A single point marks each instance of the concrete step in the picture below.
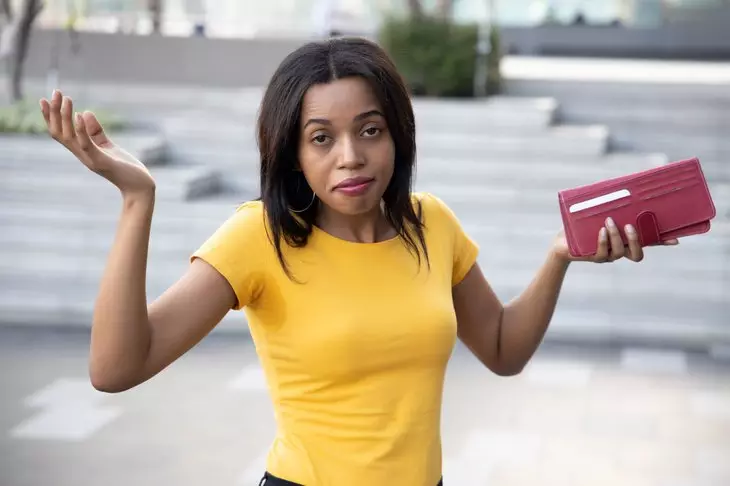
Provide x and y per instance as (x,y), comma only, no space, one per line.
(171,216)
(151,148)
(693,118)
(516,170)
(706,274)
(165,97)
(597,294)
(575,141)
(173,183)
(572,322)
(503,245)
(683,119)
(499,114)
(571,141)
(517,165)
(691,94)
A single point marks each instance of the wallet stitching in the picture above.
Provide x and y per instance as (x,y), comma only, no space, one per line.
(692,167)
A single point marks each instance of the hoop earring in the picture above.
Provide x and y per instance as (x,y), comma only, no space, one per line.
(314,196)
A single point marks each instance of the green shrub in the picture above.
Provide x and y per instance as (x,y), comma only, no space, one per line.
(438,57)
(26,118)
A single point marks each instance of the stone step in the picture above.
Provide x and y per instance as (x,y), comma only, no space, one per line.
(152,148)
(693,119)
(572,322)
(576,141)
(245,102)
(242,171)
(707,278)
(517,166)
(175,217)
(83,186)
(508,246)
(494,115)
(174,225)
(72,297)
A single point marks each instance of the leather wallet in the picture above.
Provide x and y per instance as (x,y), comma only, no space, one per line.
(670,201)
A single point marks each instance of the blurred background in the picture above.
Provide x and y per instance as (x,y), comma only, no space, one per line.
(515,100)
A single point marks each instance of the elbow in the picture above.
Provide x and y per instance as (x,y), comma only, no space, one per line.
(107,382)
(107,386)
(508,372)
(508,369)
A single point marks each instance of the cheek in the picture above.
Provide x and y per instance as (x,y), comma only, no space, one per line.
(386,158)
(314,168)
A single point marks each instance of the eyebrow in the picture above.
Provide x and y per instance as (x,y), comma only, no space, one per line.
(361,116)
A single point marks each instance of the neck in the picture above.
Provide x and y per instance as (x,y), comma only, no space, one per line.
(370,227)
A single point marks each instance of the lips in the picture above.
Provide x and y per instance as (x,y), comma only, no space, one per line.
(353,182)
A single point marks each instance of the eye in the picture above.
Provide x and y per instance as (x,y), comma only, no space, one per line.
(371,131)
(320,139)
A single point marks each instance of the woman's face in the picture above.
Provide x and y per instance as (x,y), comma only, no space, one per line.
(345,151)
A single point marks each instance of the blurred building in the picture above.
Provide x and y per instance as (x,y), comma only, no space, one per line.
(292,18)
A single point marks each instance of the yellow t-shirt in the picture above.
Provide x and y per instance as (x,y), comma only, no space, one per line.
(354,351)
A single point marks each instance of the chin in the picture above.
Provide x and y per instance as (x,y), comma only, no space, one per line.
(354,205)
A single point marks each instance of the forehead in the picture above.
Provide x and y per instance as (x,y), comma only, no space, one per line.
(342,98)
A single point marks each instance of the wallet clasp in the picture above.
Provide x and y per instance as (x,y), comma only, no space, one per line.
(648,228)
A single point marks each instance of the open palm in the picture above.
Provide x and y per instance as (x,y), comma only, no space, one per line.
(83,135)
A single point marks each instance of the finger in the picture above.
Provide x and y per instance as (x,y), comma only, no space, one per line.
(95,130)
(90,152)
(672,242)
(45,110)
(54,116)
(67,126)
(82,135)
(602,249)
(614,237)
(635,251)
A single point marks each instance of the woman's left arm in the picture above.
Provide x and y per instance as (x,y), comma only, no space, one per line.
(505,337)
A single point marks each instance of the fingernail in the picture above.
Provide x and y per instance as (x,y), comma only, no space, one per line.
(630,229)
(604,233)
(609,221)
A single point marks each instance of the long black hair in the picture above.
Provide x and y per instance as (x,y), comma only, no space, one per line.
(283,187)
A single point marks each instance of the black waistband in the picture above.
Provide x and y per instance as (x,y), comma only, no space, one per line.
(269,480)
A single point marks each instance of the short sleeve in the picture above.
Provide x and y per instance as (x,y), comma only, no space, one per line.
(465,249)
(237,251)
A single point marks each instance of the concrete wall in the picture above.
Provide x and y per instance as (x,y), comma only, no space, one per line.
(250,62)
(709,41)
(151,59)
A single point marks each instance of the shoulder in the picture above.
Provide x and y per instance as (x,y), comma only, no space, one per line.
(248,219)
(433,209)
(243,229)
(238,251)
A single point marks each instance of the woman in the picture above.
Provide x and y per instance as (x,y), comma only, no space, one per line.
(355,288)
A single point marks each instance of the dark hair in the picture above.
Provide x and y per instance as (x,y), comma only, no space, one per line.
(283,187)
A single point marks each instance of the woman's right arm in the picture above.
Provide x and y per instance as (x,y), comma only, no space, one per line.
(131,342)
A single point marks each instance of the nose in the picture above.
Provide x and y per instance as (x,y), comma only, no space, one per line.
(350,157)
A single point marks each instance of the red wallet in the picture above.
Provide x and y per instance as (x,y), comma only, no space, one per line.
(662,203)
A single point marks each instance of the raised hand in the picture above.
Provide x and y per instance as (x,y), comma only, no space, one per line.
(83,135)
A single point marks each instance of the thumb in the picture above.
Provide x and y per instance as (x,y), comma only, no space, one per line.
(95,130)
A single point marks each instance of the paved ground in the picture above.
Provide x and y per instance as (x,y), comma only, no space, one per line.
(576,416)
